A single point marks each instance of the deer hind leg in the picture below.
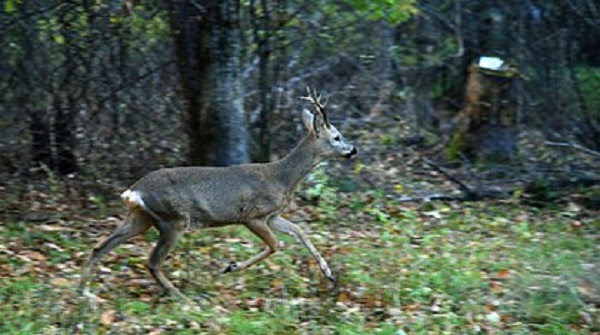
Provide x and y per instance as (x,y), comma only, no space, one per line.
(135,224)
(169,233)
(262,230)
(282,225)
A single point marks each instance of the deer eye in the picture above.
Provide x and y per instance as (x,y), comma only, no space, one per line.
(337,138)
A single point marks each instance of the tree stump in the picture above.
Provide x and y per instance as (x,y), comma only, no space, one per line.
(487,129)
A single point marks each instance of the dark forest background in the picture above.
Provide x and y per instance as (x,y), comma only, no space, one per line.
(472,207)
(115,89)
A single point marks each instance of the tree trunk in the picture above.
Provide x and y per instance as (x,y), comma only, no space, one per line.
(64,136)
(226,103)
(41,148)
(189,32)
(262,37)
(72,88)
(207,48)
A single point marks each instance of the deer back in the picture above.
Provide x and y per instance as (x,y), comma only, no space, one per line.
(208,196)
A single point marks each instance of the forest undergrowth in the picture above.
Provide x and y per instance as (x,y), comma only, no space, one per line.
(403,268)
(418,267)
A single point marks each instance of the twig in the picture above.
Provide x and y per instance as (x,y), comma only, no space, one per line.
(473,196)
(574,146)
(432,197)
(136,80)
(466,189)
(28,15)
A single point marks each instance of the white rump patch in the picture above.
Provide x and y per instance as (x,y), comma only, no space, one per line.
(134,197)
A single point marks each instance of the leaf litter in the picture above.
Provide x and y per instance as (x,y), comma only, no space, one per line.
(401,265)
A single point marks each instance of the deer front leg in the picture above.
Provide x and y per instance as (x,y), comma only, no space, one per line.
(282,225)
(262,230)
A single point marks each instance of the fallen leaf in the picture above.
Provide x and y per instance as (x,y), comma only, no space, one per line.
(78,329)
(276,284)
(492,306)
(493,317)
(496,286)
(60,282)
(32,256)
(194,325)
(576,224)
(503,274)
(5,250)
(586,318)
(5,270)
(50,228)
(255,303)
(434,214)
(107,318)
(54,247)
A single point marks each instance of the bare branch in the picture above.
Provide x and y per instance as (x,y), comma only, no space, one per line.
(574,146)
(432,197)
(466,189)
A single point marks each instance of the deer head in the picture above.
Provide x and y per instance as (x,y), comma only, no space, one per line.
(330,142)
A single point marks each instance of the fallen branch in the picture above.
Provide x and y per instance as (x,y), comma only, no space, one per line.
(479,195)
(559,188)
(574,146)
(468,191)
(432,197)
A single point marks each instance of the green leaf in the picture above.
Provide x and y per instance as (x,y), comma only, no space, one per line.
(392,11)
(59,39)
(10,6)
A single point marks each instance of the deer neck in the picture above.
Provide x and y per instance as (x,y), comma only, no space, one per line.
(292,169)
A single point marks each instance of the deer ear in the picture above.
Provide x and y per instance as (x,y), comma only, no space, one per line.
(308,119)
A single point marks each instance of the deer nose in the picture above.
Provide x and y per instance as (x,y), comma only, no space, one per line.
(352,153)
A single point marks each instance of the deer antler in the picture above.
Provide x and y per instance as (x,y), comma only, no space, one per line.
(316,101)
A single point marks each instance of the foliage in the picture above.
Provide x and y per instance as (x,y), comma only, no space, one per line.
(393,11)
(589,78)
(457,145)
(107,71)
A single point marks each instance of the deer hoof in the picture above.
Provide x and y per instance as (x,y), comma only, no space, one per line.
(332,279)
(231,267)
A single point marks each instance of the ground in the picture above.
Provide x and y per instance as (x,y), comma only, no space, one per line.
(511,266)
(403,268)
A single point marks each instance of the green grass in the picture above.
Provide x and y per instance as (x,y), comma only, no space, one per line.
(440,269)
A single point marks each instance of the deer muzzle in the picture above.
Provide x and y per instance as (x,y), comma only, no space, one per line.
(351,154)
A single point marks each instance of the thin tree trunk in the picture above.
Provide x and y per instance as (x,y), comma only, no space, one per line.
(64,137)
(262,35)
(207,47)
(41,149)
(226,101)
(72,87)
(190,37)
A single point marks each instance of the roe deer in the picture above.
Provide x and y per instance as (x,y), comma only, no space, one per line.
(174,200)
